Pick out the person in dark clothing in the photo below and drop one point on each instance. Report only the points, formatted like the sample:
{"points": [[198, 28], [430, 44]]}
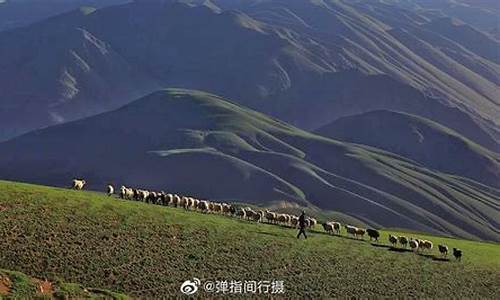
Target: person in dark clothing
{"points": [[302, 225]]}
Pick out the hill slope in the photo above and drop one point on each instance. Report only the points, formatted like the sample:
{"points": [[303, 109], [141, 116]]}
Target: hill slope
{"points": [[148, 251], [197, 143], [419, 139]]}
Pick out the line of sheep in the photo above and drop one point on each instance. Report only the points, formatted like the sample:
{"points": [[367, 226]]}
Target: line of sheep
{"points": [[190, 203], [415, 244]]}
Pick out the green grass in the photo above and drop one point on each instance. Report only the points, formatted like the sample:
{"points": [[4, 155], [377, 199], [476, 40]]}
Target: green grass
{"points": [[22, 286], [148, 251], [77, 291]]}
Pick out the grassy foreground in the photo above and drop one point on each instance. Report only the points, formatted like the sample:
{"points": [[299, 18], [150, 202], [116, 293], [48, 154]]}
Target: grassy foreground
{"points": [[149, 251], [17, 285]]}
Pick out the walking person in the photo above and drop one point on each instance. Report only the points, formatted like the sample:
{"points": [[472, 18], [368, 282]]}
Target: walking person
{"points": [[302, 225]]}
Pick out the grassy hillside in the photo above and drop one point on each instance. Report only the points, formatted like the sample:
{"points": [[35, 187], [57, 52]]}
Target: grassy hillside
{"points": [[186, 141], [17, 285], [145, 250]]}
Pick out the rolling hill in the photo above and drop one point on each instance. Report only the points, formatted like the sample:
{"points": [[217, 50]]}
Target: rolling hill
{"points": [[196, 143], [300, 61], [419, 139], [148, 251]]}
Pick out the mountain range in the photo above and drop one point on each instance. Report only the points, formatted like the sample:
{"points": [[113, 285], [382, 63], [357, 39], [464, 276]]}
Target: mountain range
{"points": [[384, 112], [299, 61]]}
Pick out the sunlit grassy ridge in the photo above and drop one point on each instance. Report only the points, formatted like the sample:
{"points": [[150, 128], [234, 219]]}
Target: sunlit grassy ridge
{"points": [[147, 250]]}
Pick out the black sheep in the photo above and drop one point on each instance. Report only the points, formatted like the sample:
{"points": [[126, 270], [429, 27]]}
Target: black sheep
{"points": [[457, 253], [373, 234], [443, 249]]}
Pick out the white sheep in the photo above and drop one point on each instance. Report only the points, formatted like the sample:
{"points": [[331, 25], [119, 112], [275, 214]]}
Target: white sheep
{"points": [[196, 203], [126, 193], [169, 199], [256, 217], [187, 202], [351, 230], [425, 245], [142, 195], [336, 227], [328, 227], [413, 244], [78, 184], [312, 222], [110, 190], [288, 218], [270, 216], [193, 204], [226, 208], [217, 207], [250, 213], [203, 206], [176, 200], [242, 213], [182, 202], [281, 218], [123, 192]]}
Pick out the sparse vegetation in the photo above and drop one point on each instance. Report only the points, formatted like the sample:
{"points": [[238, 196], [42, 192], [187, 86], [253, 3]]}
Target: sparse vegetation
{"points": [[17, 285], [148, 251]]}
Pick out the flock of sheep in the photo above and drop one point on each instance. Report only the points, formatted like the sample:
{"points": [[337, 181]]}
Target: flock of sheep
{"points": [[415, 244], [190, 203]]}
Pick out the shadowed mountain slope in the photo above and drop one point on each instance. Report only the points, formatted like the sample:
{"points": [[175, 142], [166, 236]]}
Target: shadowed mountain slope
{"points": [[419, 139], [200, 144], [18, 13], [53, 73]]}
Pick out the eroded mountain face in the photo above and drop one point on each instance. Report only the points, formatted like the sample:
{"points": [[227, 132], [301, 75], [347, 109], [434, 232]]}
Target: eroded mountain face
{"points": [[306, 62]]}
